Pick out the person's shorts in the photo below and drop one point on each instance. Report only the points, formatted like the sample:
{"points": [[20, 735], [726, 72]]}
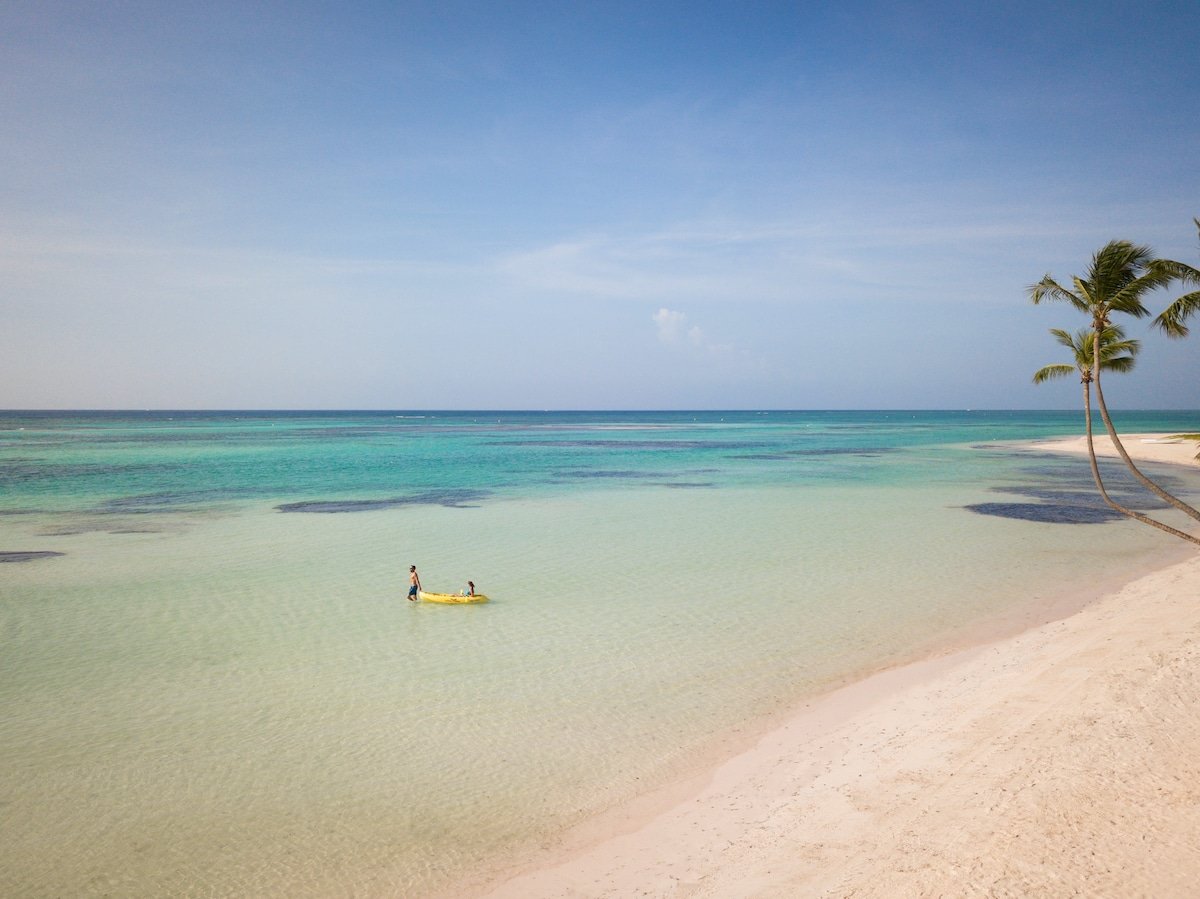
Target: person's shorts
{"points": [[412, 591]]}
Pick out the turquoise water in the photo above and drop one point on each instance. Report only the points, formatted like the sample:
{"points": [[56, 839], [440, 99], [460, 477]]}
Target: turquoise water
{"points": [[218, 688]]}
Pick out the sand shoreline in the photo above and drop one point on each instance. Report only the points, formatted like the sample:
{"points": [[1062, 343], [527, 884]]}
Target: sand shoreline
{"points": [[1048, 762]]}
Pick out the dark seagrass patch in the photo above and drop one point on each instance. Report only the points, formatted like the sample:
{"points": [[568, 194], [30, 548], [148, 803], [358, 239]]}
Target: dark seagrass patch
{"points": [[450, 499], [28, 556]]}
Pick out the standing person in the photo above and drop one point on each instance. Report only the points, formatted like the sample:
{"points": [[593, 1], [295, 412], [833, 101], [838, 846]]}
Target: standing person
{"points": [[414, 583]]}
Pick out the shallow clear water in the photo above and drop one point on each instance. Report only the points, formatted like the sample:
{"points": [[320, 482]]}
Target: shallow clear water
{"points": [[219, 689]]}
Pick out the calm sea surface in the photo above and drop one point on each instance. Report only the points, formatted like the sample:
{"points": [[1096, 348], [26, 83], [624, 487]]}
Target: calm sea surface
{"points": [[217, 688]]}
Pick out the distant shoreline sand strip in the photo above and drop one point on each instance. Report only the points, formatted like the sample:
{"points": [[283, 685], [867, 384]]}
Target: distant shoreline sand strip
{"points": [[1054, 762], [1173, 449]]}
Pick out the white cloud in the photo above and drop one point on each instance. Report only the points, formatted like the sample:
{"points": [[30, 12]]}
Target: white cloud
{"points": [[669, 324], [673, 329]]}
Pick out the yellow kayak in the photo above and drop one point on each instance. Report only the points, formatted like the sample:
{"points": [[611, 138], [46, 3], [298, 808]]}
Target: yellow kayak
{"points": [[451, 597]]}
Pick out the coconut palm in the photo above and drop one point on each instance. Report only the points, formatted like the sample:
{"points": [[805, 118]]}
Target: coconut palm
{"points": [[1118, 280], [1117, 355]]}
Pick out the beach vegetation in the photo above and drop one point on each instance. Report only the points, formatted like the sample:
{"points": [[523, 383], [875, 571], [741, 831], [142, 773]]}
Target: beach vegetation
{"points": [[1118, 281]]}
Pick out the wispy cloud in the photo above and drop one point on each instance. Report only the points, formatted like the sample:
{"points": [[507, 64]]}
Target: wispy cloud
{"points": [[813, 260], [716, 262], [631, 267]]}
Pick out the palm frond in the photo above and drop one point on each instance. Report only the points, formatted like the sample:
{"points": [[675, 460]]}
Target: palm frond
{"points": [[1112, 350], [1117, 263], [1049, 289], [1179, 271], [1129, 273], [1171, 320], [1120, 364], [1084, 291], [1053, 371], [1113, 342], [1128, 300], [1066, 338]]}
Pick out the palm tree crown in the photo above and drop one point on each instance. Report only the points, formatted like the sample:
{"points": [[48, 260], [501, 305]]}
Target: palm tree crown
{"points": [[1119, 277], [1116, 353]]}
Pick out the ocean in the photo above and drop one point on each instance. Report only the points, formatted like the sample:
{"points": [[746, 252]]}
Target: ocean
{"points": [[212, 683]]}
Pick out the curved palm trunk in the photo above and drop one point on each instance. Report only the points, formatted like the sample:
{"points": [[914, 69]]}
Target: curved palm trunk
{"points": [[1120, 447], [1137, 516]]}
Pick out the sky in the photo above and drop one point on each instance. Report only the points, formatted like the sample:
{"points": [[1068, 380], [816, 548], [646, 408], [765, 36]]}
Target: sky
{"points": [[582, 205]]}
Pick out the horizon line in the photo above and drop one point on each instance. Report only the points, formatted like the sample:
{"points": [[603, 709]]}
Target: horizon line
{"points": [[546, 411]]}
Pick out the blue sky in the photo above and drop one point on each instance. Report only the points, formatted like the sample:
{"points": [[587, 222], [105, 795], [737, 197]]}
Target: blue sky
{"points": [[580, 205]]}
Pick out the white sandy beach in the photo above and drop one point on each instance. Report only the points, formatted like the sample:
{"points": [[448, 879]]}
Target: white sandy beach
{"points": [[1058, 762]]}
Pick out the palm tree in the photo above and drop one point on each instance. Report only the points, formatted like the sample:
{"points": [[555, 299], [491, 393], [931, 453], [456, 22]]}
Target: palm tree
{"points": [[1120, 276], [1116, 354]]}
